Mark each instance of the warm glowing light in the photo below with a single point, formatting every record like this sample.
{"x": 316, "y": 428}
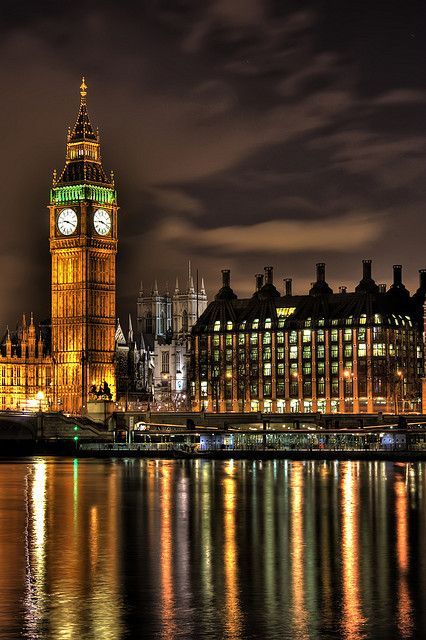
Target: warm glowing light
{"x": 352, "y": 619}
{"x": 404, "y": 607}
{"x": 297, "y": 550}
{"x": 232, "y": 610}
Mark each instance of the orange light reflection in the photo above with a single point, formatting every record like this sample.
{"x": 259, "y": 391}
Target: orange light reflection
{"x": 352, "y": 619}
{"x": 404, "y": 608}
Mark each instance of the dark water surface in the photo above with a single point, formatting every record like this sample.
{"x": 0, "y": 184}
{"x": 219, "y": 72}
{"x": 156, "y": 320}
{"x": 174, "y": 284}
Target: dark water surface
{"x": 98, "y": 549}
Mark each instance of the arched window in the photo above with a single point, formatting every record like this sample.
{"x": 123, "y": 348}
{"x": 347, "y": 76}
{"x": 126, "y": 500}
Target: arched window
{"x": 185, "y": 321}
{"x": 148, "y": 322}
{"x": 162, "y": 327}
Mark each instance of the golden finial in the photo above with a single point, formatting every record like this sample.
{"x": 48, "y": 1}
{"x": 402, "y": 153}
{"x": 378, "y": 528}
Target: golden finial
{"x": 83, "y": 88}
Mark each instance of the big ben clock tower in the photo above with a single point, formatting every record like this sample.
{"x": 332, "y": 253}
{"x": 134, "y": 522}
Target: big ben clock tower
{"x": 83, "y": 244}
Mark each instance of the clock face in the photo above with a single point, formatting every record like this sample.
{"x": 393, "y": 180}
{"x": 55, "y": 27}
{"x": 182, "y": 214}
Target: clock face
{"x": 67, "y": 221}
{"x": 102, "y": 222}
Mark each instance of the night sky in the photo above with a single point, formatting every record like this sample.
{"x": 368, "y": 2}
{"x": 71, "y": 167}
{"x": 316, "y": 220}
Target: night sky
{"x": 242, "y": 133}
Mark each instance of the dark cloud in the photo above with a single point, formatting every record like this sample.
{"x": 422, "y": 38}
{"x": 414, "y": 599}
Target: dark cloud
{"x": 241, "y": 132}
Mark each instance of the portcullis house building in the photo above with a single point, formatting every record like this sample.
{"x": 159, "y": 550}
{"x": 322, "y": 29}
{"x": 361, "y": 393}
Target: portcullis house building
{"x": 346, "y": 352}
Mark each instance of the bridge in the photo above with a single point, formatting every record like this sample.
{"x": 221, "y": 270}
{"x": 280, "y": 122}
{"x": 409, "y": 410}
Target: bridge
{"x": 128, "y": 420}
{"x": 20, "y": 426}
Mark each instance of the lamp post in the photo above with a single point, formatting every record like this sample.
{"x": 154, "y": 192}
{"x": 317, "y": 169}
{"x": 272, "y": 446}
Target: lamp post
{"x": 399, "y": 382}
{"x": 40, "y": 398}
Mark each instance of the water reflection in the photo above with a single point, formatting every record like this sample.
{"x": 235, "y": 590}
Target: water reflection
{"x": 352, "y": 615}
{"x": 173, "y": 549}
{"x": 167, "y": 583}
{"x": 230, "y": 559}
{"x": 404, "y": 620}
{"x": 299, "y": 617}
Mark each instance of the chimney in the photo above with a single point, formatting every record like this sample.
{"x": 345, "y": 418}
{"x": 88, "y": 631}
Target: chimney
{"x": 259, "y": 281}
{"x": 269, "y": 275}
{"x": 288, "y": 282}
{"x": 422, "y": 279}
{"x": 226, "y": 278}
{"x": 382, "y": 288}
{"x": 366, "y": 269}
{"x": 397, "y": 274}
{"x": 342, "y": 289}
{"x": 320, "y": 271}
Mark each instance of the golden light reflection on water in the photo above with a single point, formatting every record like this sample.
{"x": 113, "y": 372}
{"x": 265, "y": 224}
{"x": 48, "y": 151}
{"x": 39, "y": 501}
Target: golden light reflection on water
{"x": 299, "y": 614}
{"x": 232, "y": 611}
{"x": 167, "y": 584}
{"x": 35, "y": 548}
{"x": 404, "y": 608}
{"x": 72, "y": 563}
{"x": 352, "y": 618}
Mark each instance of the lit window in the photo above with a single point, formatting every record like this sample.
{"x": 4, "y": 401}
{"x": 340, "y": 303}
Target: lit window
{"x": 229, "y": 326}
{"x": 284, "y": 312}
{"x": 280, "y": 337}
{"x": 268, "y": 323}
{"x": 267, "y": 369}
{"x": 241, "y": 338}
{"x": 363, "y": 319}
{"x": 204, "y": 389}
{"x": 280, "y": 368}
{"x": 255, "y": 324}
{"x": 362, "y": 349}
{"x": 293, "y": 353}
{"x": 267, "y": 338}
{"x": 379, "y": 349}
{"x": 306, "y": 335}
{"x": 216, "y": 326}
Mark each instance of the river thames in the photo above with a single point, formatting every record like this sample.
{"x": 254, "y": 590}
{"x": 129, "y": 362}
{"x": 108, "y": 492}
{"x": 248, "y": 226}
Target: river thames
{"x": 104, "y": 550}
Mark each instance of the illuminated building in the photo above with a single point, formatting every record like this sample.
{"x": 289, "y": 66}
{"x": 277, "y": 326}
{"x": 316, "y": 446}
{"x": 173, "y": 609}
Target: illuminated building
{"x": 83, "y": 245}
{"x": 347, "y": 352}
{"x": 26, "y": 368}
{"x": 134, "y": 367}
{"x": 165, "y": 321}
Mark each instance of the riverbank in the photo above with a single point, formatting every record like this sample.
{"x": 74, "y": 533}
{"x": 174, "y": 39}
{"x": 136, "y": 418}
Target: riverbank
{"x": 259, "y": 454}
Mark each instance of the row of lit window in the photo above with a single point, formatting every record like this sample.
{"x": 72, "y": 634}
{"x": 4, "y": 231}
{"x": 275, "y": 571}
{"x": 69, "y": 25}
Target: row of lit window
{"x": 377, "y": 319}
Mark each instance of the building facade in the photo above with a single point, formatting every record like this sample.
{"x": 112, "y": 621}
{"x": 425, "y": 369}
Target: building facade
{"x": 26, "y": 380}
{"x": 165, "y": 322}
{"x": 83, "y": 245}
{"x": 346, "y": 352}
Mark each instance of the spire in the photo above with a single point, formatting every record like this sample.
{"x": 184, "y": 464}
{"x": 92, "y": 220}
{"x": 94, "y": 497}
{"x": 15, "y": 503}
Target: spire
{"x": 130, "y": 336}
{"x": 191, "y": 288}
{"x": 83, "y": 158}
{"x": 155, "y": 289}
{"x": 83, "y": 129}
{"x": 119, "y": 335}
{"x": 83, "y": 90}
{"x": 203, "y": 289}
{"x": 141, "y": 290}
{"x": 177, "y": 286}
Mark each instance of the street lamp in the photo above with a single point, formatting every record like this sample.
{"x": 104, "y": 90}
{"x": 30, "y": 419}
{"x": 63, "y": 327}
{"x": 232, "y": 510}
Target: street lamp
{"x": 40, "y": 398}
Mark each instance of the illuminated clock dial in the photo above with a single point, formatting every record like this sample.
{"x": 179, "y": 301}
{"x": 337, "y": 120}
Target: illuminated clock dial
{"x": 67, "y": 221}
{"x": 102, "y": 222}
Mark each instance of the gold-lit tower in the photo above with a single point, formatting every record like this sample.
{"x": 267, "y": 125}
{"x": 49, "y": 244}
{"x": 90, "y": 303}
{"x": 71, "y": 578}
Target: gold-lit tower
{"x": 83, "y": 244}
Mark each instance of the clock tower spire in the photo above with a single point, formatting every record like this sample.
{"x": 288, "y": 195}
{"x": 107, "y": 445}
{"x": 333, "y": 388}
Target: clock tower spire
{"x": 83, "y": 245}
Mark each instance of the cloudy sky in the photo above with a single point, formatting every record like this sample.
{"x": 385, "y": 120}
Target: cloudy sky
{"x": 242, "y": 133}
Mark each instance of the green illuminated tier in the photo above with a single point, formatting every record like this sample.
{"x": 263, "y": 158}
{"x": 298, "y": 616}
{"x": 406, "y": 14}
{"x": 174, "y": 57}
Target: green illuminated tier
{"x": 78, "y": 192}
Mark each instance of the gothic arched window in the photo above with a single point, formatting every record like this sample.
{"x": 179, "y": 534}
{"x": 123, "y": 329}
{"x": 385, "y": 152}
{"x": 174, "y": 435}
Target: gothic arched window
{"x": 148, "y": 322}
{"x": 185, "y": 321}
